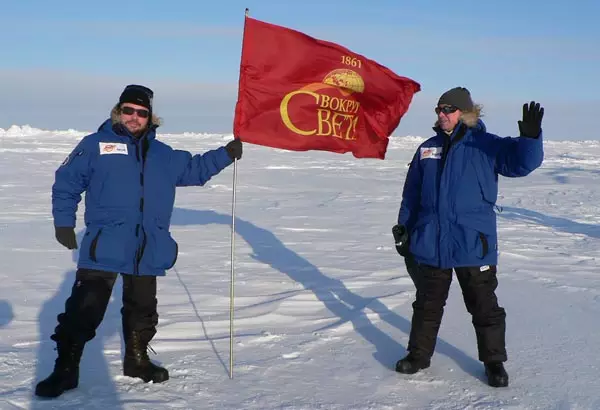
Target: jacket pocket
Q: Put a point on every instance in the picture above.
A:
(485, 247)
(486, 178)
(107, 245)
(161, 249)
(94, 244)
(476, 235)
(424, 239)
(474, 243)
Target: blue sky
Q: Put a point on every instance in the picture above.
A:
(64, 63)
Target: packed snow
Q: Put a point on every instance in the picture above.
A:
(322, 299)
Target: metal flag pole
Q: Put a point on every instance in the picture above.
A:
(232, 281)
(231, 288)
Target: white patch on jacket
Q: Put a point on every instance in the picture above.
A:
(113, 148)
(431, 152)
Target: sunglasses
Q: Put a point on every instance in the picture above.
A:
(446, 109)
(140, 112)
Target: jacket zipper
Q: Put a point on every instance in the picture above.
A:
(143, 146)
(449, 142)
(445, 148)
(138, 257)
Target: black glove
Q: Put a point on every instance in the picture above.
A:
(531, 125)
(65, 235)
(234, 149)
(401, 237)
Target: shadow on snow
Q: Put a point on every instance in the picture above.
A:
(346, 305)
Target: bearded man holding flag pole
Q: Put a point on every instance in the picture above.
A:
(129, 178)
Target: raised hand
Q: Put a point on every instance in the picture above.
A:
(531, 124)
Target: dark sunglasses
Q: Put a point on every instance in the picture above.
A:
(140, 112)
(446, 109)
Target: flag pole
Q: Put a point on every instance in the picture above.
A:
(232, 281)
(231, 288)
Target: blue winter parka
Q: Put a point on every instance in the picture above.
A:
(450, 193)
(129, 187)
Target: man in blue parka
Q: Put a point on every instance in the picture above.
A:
(447, 222)
(129, 179)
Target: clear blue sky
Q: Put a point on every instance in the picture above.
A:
(65, 62)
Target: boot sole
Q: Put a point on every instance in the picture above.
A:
(496, 383)
(413, 371)
(130, 373)
(50, 395)
(500, 383)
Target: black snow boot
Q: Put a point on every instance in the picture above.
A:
(66, 371)
(497, 376)
(411, 364)
(138, 364)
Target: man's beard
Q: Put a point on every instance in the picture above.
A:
(139, 132)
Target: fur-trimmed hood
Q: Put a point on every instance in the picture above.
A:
(469, 118)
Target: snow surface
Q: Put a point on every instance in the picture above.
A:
(323, 302)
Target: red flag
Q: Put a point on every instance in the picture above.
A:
(300, 93)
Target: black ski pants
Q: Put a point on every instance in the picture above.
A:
(85, 308)
(478, 286)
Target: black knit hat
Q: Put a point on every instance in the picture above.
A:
(458, 97)
(137, 94)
